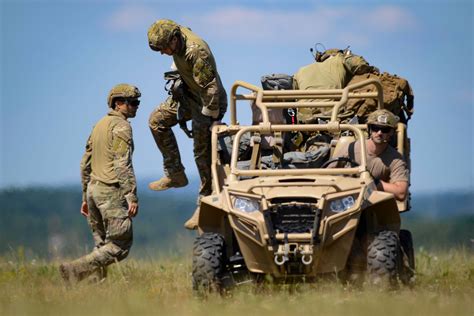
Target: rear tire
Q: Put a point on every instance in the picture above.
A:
(407, 275)
(208, 263)
(384, 258)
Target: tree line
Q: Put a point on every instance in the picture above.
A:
(45, 222)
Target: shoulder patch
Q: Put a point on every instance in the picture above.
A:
(192, 51)
(123, 130)
(203, 72)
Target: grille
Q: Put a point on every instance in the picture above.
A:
(292, 218)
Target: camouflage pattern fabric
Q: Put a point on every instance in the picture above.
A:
(162, 119)
(195, 64)
(122, 90)
(383, 117)
(160, 33)
(109, 186)
(198, 69)
(111, 163)
(205, 100)
(333, 73)
(398, 96)
(111, 228)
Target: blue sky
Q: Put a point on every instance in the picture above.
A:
(59, 59)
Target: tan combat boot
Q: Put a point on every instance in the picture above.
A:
(192, 223)
(98, 275)
(176, 180)
(68, 273)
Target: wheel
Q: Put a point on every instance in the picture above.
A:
(208, 263)
(384, 258)
(408, 267)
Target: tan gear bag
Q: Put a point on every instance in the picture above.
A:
(398, 97)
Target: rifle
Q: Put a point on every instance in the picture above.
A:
(176, 88)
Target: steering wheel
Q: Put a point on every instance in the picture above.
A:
(339, 159)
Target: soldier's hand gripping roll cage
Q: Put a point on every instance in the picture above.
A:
(176, 88)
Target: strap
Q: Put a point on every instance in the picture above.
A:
(225, 155)
(255, 158)
(351, 151)
(277, 148)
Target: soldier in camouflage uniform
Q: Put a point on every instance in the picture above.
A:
(109, 190)
(205, 102)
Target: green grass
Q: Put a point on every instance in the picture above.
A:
(444, 286)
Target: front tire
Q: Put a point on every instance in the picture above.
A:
(384, 258)
(208, 263)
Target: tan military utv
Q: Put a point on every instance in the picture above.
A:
(272, 218)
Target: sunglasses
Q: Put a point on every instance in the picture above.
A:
(383, 129)
(133, 102)
(155, 47)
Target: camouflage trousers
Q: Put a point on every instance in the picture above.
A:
(111, 228)
(162, 119)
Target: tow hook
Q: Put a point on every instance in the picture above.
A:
(307, 259)
(281, 256)
(280, 259)
(307, 255)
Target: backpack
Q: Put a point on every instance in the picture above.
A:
(277, 82)
(397, 96)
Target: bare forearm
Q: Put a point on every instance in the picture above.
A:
(398, 189)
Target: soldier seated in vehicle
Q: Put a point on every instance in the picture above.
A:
(384, 162)
(276, 150)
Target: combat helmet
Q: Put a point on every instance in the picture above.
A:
(160, 34)
(122, 90)
(383, 118)
(322, 56)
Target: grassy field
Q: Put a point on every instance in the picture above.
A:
(444, 286)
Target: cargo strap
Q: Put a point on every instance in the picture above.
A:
(255, 141)
(277, 148)
(351, 151)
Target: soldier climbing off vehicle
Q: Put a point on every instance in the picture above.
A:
(204, 101)
(109, 190)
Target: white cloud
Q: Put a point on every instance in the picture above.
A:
(320, 23)
(390, 18)
(346, 24)
(243, 23)
(129, 18)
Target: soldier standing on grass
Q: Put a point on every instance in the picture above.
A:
(204, 100)
(109, 190)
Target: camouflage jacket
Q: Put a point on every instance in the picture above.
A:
(197, 67)
(108, 156)
(333, 73)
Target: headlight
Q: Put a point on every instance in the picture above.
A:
(340, 205)
(246, 205)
